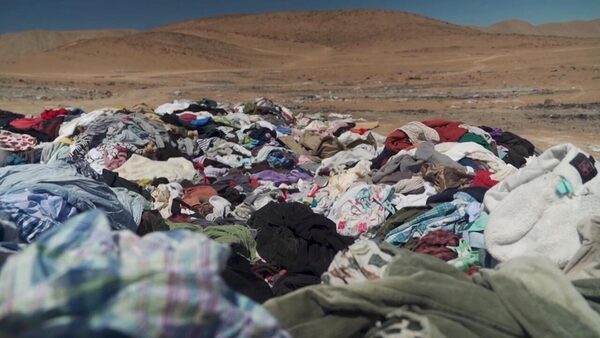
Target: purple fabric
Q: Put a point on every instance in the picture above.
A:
(495, 132)
(279, 178)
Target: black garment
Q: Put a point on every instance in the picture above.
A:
(203, 105)
(208, 131)
(159, 180)
(231, 194)
(518, 147)
(163, 154)
(6, 117)
(262, 135)
(448, 195)
(239, 179)
(293, 281)
(382, 158)
(292, 236)
(238, 276)
(151, 221)
(112, 179)
(175, 120)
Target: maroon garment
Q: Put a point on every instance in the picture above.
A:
(49, 127)
(436, 243)
(396, 141)
(449, 131)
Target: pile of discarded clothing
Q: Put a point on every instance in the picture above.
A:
(216, 219)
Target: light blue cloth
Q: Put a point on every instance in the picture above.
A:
(61, 180)
(474, 210)
(41, 205)
(130, 135)
(449, 216)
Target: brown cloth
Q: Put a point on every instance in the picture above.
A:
(323, 147)
(297, 148)
(443, 177)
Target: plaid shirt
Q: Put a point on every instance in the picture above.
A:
(29, 226)
(81, 279)
(445, 216)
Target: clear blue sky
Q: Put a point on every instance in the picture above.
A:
(19, 15)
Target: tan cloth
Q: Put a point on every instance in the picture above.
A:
(323, 147)
(417, 132)
(174, 169)
(141, 108)
(366, 125)
(297, 148)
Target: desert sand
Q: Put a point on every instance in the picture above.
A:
(389, 66)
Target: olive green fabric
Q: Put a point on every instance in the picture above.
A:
(238, 236)
(528, 297)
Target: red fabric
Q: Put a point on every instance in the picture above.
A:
(482, 179)
(436, 243)
(396, 141)
(449, 130)
(25, 123)
(187, 117)
(35, 122)
(472, 271)
(360, 131)
(49, 113)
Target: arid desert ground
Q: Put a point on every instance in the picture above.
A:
(389, 66)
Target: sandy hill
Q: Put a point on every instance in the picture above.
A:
(143, 51)
(245, 41)
(15, 45)
(335, 28)
(272, 40)
(581, 29)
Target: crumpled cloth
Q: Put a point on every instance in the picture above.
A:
(86, 280)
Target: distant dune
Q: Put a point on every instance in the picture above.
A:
(574, 29)
(260, 41)
(340, 28)
(14, 45)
